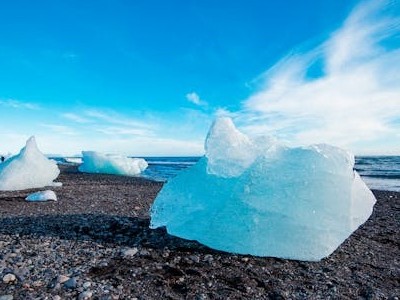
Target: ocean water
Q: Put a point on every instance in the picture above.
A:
(378, 172)
(164, 168)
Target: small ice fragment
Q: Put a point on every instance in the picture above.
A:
(47, 195)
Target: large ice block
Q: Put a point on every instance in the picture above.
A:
(96, 162)
(257, 197)
(28, 169)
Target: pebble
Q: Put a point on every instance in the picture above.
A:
(56, 297)
(129, 252)
(38, 283)
(166, 253)
(201, 297)
(87, 284)
(6, 297)
(54, 284)
(103, 264)
(85, 295)
(9, 278)
(144, 252)
(62, 278)
(195, 258)
(71, 283)
(208, 258)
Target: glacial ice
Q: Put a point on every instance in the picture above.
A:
(229, 152)
(96, 162)
(47, 195)
(73, 160)
(28, 169)
(258, 197)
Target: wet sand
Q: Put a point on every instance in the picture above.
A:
(94, 243)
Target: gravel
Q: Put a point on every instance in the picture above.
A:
(94, 243)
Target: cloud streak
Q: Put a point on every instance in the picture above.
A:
(122, 131)
(76, 118)
(195, 99)
(344, 91)
(112, 117)
(109, 123)
(60, 129)
(12, 103)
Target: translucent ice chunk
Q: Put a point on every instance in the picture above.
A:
(298, 203)
(28, 169)
(42, 196)
(229, 151)
(96, 162)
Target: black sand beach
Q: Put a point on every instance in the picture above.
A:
(94, 243)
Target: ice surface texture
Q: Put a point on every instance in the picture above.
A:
(96, 162)
(259, 198)
(28, 169)
(42, 196)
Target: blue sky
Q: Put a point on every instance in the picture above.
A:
(148, 77)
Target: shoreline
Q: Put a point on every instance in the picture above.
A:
(97, 236)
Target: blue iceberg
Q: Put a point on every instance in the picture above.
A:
(96, 162)
(257, 197)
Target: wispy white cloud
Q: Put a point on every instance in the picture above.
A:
(152, 134)
(343, 91)
(115, 130)
(12, 103)
(76, 118)
(60, 129)
(54, 143)
(113, 117)
(155, 146)
(195, 99)
(110, 123)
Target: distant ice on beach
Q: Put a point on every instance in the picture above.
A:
(73, 160)
(42, 196)
(28, 169)
(258, 197)
(96, 162)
